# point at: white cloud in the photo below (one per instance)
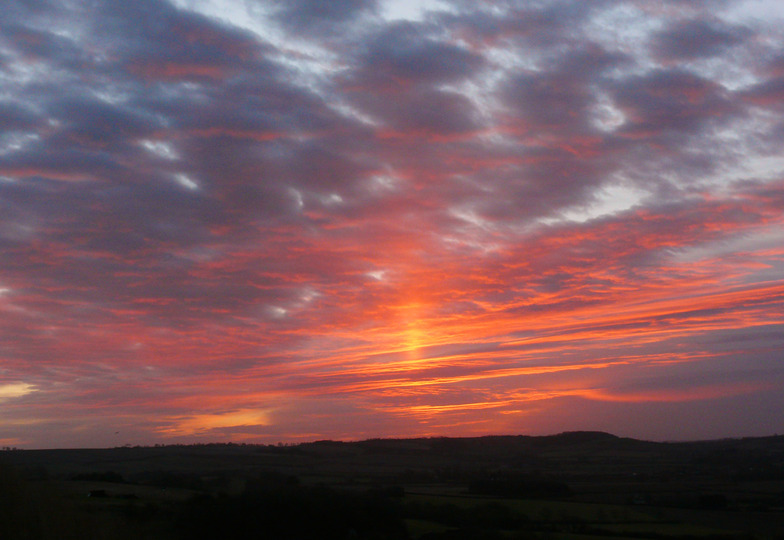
(15, 390)
(608, 201)
(185, 181)
(411, 10)
(160, 149)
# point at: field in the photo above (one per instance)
(576, 486)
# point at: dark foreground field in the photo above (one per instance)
(576, 486)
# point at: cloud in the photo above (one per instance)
(697, 38)
(403, 54)
(153, 40)
(309, 15)
(15, 390)
(229, 422)
(671, 102)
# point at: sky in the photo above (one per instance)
(263, 222)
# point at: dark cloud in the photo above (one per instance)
(16, 116)
(768, 93)
(533, 25)
(153, 40)
(667, 102)
(775, 67)
(559, 97)
(561, 153)
(697, 38)
(309, 15)
(34, 44)
(404, 55)
(90, 122)
(426, 112)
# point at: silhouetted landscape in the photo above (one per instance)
(578, 485)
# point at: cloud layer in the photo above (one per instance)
(233, 221)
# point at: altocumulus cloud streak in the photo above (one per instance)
(265, 221)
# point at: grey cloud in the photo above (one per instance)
(316, 14)
(38, 44)
(15, 116)
(775, 67)
(768, 93)
(559, 98)
(427, 112)
(397, 78)
(672, 102)
(93, 122)
(546, 25)
(403, 54)
(160, 41)
(697, 38)
(219, 133)
(562, 155)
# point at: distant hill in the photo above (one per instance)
(576, 453)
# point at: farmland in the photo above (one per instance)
(576, 486)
